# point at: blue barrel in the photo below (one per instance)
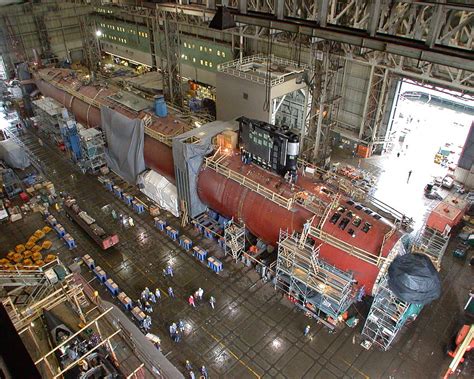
(160, 107)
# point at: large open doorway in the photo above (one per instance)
(428, 131)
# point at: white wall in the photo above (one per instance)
(203, 76)
(465, 177)
(231, 102)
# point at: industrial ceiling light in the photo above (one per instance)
(98, 33)
(222, 19)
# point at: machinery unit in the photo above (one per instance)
(88, 224)
(269, 146)
(71, 138)
(11, 183)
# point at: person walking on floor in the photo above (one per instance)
(409, 175)
(170, 292)
(147, 323)
(188, 365)
(191, 301)
(139, 303)
(158, 294)
(191, 375)
(148, 307)
(306, 330)
(181, 325)
(152, 297)
(199, 293)
(169, 270)
(212, 301)
(204, 372)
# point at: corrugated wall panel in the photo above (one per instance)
(353, 96)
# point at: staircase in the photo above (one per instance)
(234, 240)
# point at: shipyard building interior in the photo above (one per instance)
(236, 189)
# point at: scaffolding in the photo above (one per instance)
(90, 42)
(311, 283)
(170, 49)
(234, 235)
(49, 116)
(92, 149)
(386, 318)
(100, 327)
(431, 243)
(33, 289)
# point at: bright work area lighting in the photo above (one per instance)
(98, 33)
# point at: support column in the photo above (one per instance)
(366, 102)
(172, 71)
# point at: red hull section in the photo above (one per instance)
(264, 218)
(158, 156)
(261, 216)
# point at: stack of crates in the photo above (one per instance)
(101, 275)
(138, 206)
(60, 230)
(112, 287)
(160, 224)
(172, 233)
(51, 220)
(199, 253)
(109, 185)
(127, 198)
(214, 264)
(88, 261)
(117, 191)
(70, 242)
(185, 243)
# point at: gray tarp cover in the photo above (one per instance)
(414, 279)
(188, 158)
(13, 154)
(125, 140)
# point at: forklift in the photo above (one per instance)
(463, 342)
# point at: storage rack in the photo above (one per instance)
(313, 284)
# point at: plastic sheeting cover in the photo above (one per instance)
(188, 158)
(414, 279)
(13, 155)
(125, 140)
(160, 190)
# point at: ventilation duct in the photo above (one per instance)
(222, 19)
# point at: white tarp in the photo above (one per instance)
(13, 154)
(160, 190)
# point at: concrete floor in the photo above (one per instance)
(254, 331)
